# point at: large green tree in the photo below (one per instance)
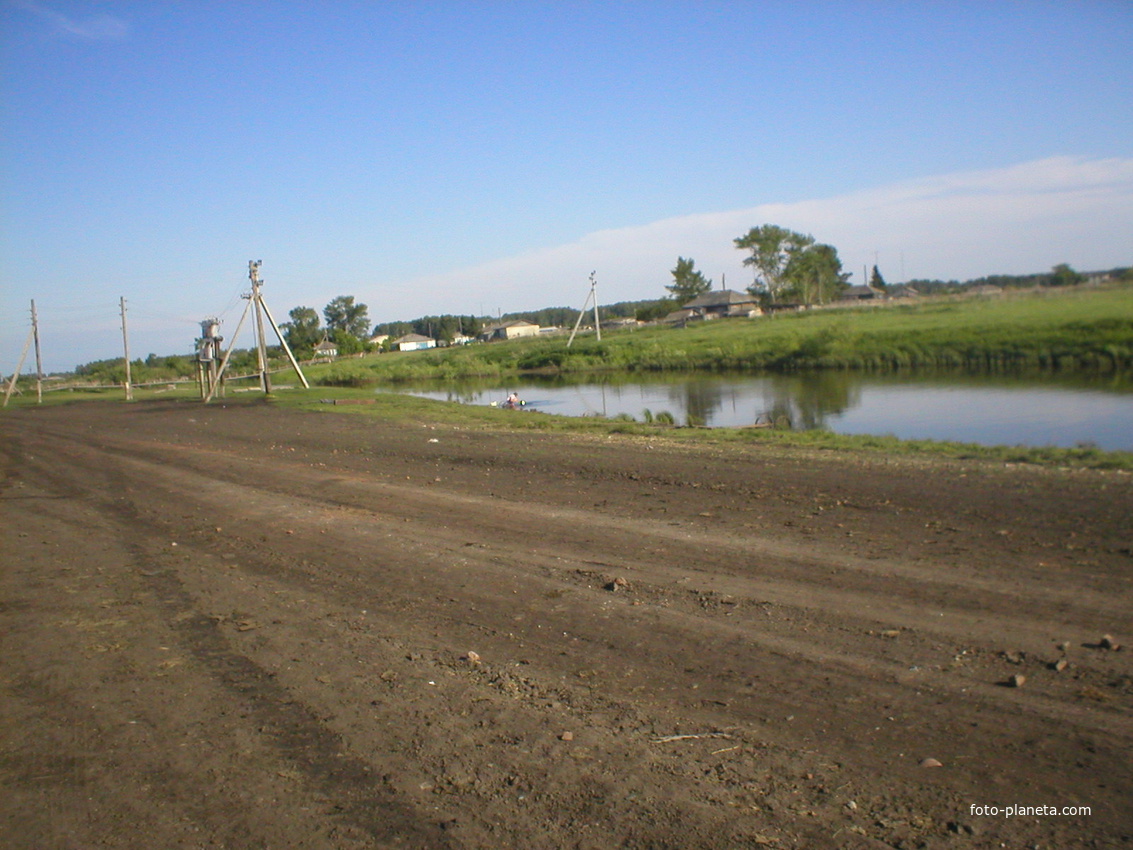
(771, 248)
(687, 283)
(302, 332)
(814, 274)
(342, 314)
(347, 342)
(1063, 275)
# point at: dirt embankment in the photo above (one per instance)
(236, 626)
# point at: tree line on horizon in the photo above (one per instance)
(788, 267)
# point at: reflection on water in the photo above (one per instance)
(990, 409)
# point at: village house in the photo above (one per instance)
(679, 317)
(509, 330)
(326, 350)
(861, 292)
(717, 304)
(412, 342)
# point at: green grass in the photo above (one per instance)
(1084, 329)
(399, 407)
(169, 390)
(70, 395)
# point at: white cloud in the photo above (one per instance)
(1015, 220)
(93, 28)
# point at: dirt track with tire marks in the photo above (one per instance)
(240, 626)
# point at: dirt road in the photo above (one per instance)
(243, 627)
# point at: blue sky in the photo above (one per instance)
(461, 157)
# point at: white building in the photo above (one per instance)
(413, 342)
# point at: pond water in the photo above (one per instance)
(1040, 410)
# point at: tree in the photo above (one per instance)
(347, 342)
(1063, 275)
(342, 314)
(688, 283)
(446, 328)
(876, 280)
(814, 274)
(393, 329)
(302, 332)
(648, 311)
(771, 250)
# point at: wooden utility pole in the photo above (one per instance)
(38, 359)
(256, 300)
(33, 336)
(283, 342)
(591, 297)
(224, 362)
(19, 366)
(126, 351)
(257, 304)
(594, 293)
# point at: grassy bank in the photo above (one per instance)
(1083, 329)
(424, 412)
(1052, 329)
(428, 412)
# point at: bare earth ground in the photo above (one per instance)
(238, 626)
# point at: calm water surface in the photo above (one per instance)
(1047, 410)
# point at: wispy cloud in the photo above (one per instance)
(1014, 220)
(99, 27)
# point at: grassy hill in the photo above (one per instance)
(1079, 329)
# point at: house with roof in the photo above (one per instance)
(412, 342)
(326, 350)
(510, 330)
(722, 303)
(861, 292)
(679, 317)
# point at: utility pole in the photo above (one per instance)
(256, 299)
(38, 360)
(261, 348)
(19, 366)
(126, 351)
(591, 297)
(594, 292)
